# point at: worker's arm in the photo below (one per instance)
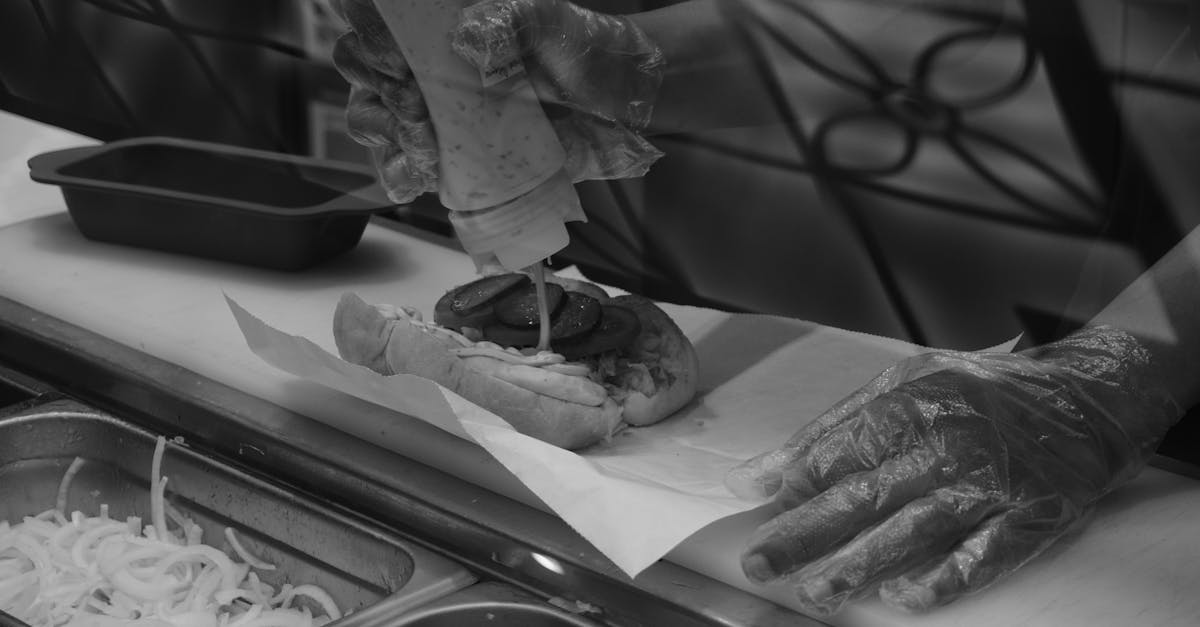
(951, 470)
(1162, 309)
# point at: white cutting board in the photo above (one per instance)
(1137, 564)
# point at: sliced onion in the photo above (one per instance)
(243, 553)
(158, 487)
(80, 571)
(65, 484)
(92, 536)
(320, 596)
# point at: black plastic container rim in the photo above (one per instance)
(47, 168)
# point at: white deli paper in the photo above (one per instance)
(762, 378)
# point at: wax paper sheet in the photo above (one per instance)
(639, 495)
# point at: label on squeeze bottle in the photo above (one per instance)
(500, 162)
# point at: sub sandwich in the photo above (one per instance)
(611, 361)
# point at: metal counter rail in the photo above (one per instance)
(490, 534)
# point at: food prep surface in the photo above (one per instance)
(499, 539)
(304, 541)
(58, 456)
(145, 339)
(149, 333)
(537, 570)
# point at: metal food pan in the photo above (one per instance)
(11, 395)
(493, 604)
(358, 564)
(15, 389)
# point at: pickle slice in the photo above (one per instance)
(483, 291)
(519, 308)
(618, 328)
(471, 305)
(577, 315)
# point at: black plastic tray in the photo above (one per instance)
(247, 206)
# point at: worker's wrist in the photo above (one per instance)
(1119, 388)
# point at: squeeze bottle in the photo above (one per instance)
(500, 162)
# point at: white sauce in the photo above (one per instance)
(468, 348)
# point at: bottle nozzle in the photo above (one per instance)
(525, 230)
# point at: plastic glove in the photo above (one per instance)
(951, 470)
(597, 76)
(386, 112)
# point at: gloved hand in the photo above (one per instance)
(597, 76)
(950, 470)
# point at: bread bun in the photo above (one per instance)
(649, 379)
(670, 360)
(391, 346)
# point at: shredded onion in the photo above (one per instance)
(60, 569)
(158, 487)
(243, 553)
(60, 504)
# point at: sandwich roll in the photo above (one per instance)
(389, 345)
(574, 389)
(612, 362)
(661, 389)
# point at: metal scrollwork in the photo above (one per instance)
(880, 137)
